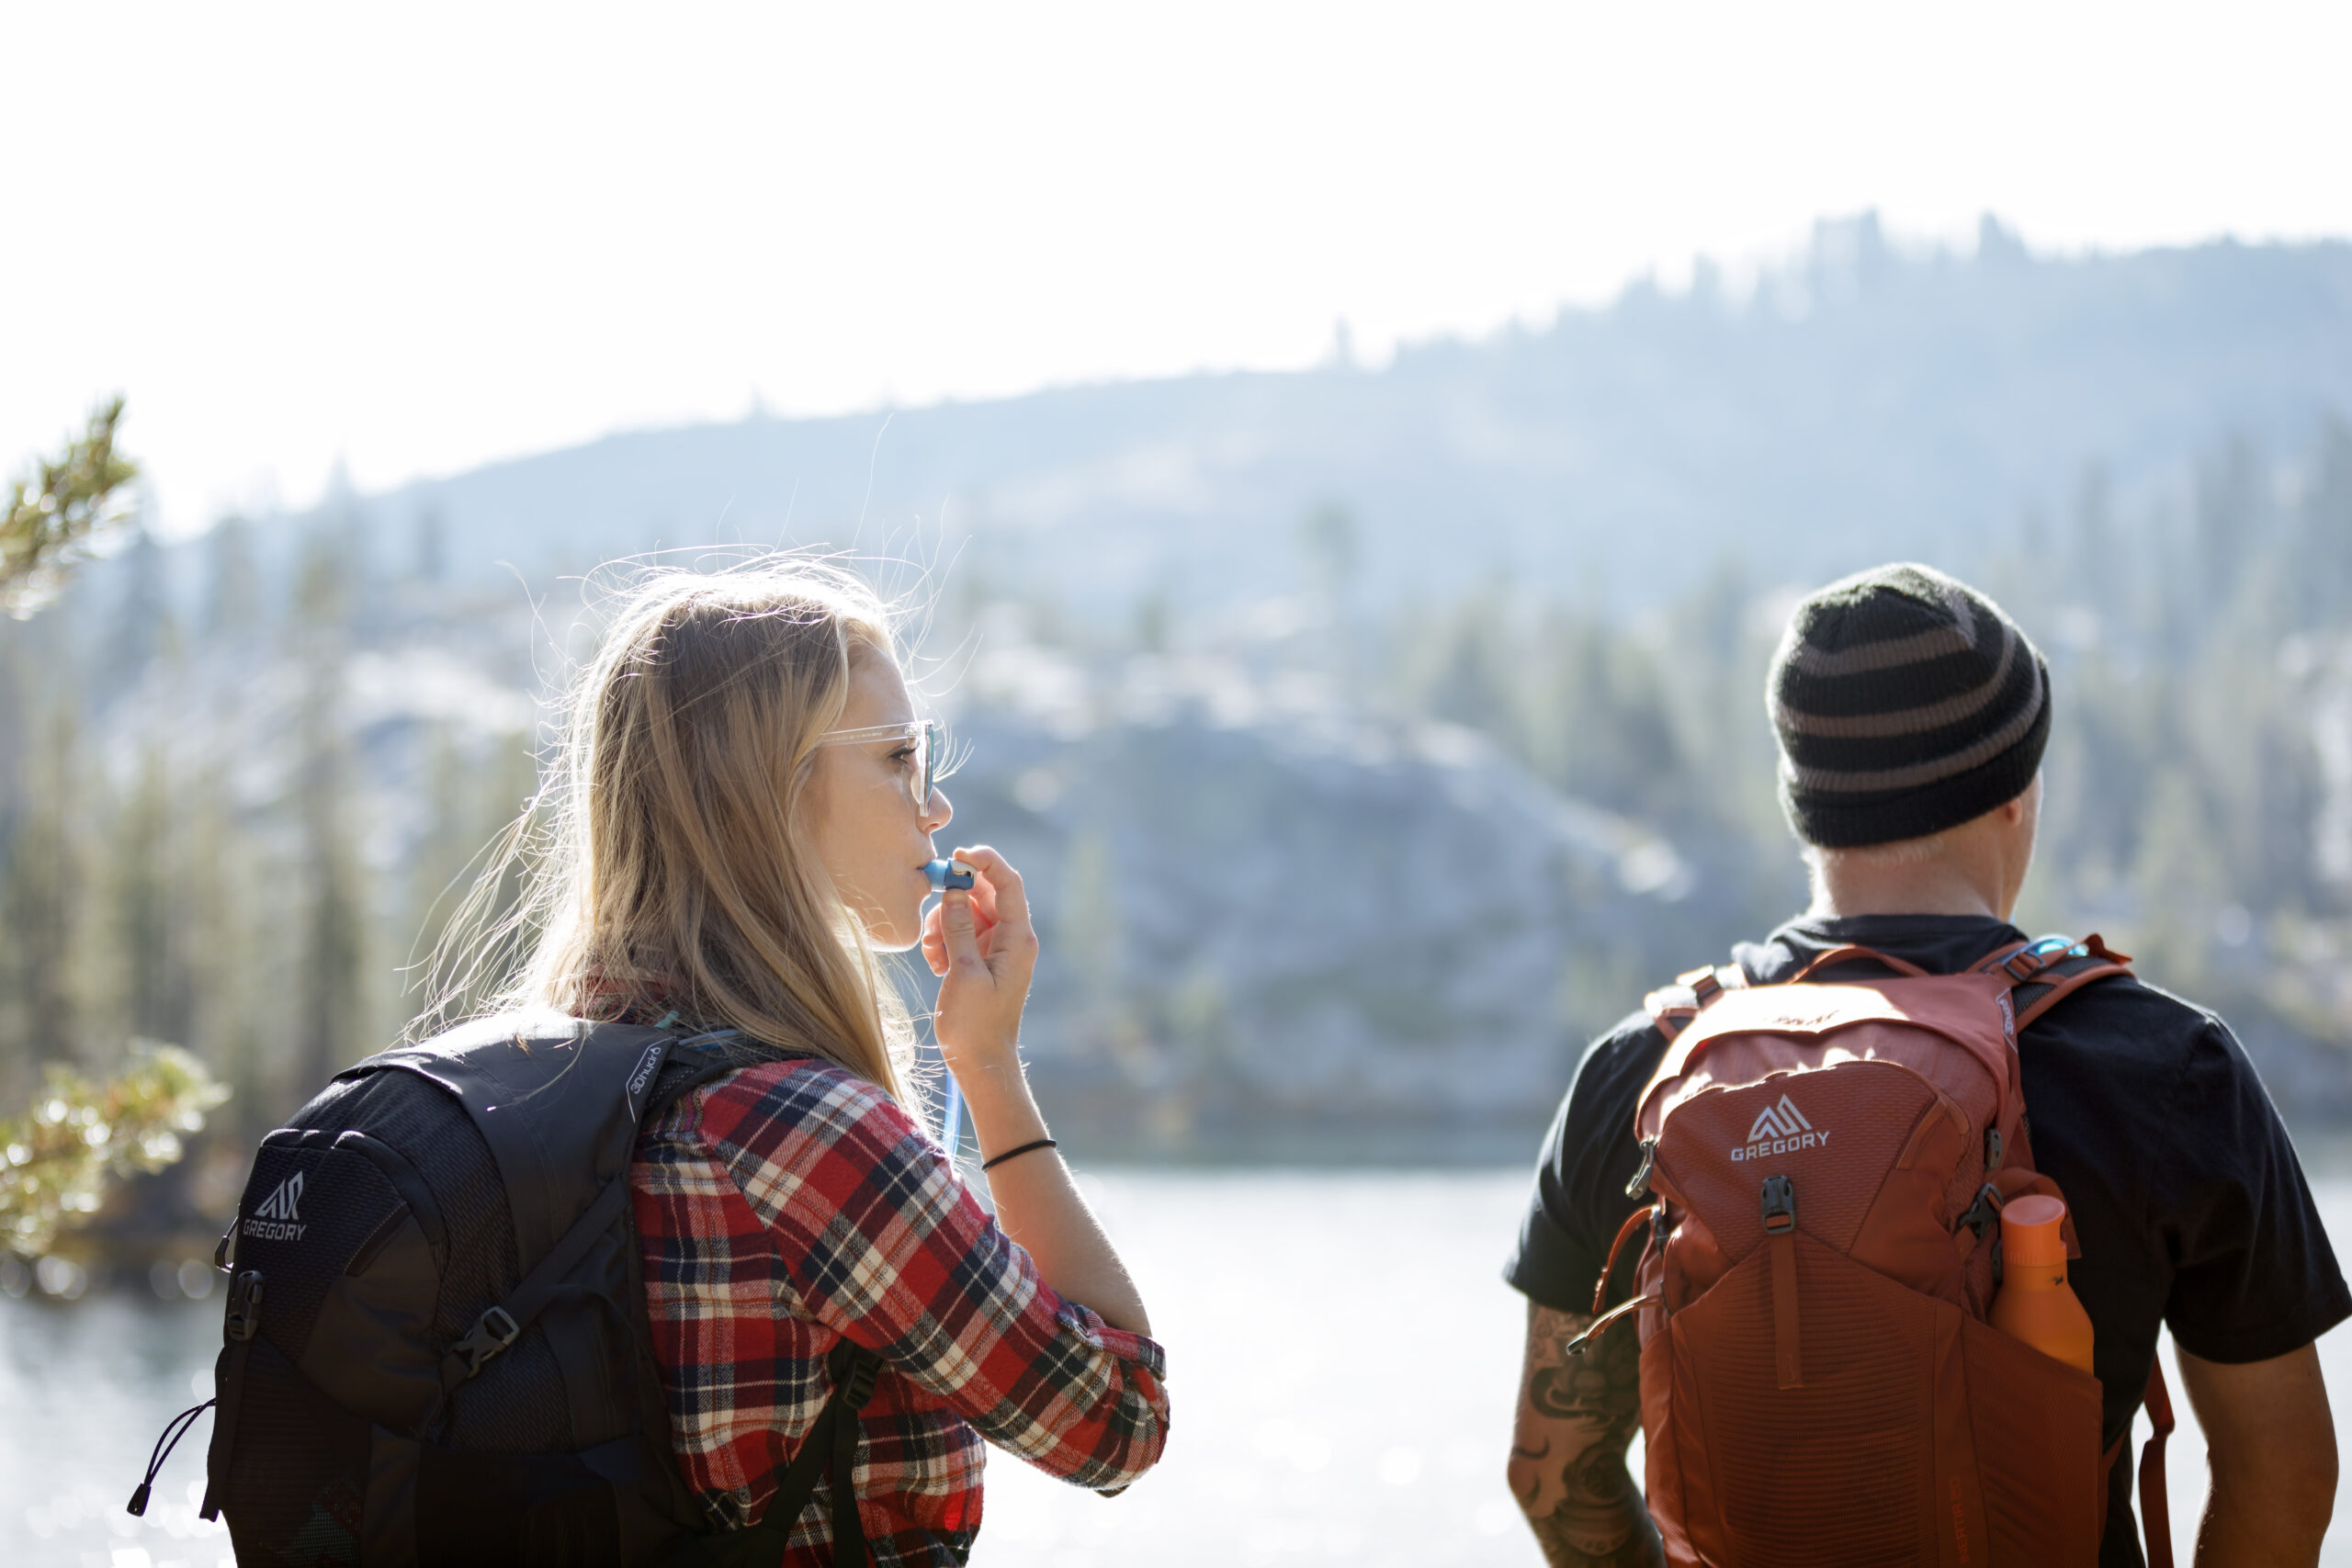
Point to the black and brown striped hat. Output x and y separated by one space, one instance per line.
1905 703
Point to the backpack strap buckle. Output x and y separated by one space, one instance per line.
492 1332
1672 1007
2045 971
1985 1212
1779 1199
1639 1185
855 1370
1706 985
244 1306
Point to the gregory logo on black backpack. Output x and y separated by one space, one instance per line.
1778 1130
276 1219
647 1066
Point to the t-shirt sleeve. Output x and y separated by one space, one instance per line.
1589 1152
2254 1275
1551 1257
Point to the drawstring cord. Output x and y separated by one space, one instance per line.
174 1432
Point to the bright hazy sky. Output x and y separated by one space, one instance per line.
417 238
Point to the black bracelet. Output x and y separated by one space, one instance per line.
1015 1153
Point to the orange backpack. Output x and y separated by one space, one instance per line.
1819 1384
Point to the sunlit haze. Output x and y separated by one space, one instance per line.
416 240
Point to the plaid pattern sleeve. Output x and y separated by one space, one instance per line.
784 1206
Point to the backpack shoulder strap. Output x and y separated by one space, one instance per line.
619 1069
1672 1007
829 1450
699 1058
2156 1508
2046 972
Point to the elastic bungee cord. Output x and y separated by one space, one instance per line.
174 1432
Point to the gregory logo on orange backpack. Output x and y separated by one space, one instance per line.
1779 1129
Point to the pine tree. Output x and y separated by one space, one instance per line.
42 899
62 510
331 1015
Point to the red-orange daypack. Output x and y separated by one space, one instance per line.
1827 1164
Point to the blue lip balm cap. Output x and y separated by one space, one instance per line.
948 873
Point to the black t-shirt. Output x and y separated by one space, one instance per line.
2191 1206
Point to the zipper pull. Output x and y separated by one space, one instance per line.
1640 1186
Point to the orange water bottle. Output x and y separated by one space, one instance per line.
2035 1304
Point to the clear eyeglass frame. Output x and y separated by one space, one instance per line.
925 776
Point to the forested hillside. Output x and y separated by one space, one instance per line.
1860 399
1370 738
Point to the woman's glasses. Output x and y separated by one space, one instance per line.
924 773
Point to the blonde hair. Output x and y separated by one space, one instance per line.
667 859
1896 854
1892 854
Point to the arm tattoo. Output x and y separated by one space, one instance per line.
1577 1416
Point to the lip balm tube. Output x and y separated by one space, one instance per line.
948 873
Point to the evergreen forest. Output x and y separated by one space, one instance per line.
1341 853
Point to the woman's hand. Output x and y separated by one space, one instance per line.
980 943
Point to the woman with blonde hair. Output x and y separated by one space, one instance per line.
746 809
651 1263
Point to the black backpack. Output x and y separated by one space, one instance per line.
436 1348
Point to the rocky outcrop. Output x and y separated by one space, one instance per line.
1261 908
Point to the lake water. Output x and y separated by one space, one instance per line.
1343 1362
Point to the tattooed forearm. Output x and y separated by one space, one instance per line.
1599 1522
1577 1414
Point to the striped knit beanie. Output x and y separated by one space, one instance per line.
1905 703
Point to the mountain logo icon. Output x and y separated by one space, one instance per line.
281 1203
279 1216
1779 1129
1782 1121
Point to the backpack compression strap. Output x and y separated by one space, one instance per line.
503 1324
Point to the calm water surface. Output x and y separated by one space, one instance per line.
1343 1361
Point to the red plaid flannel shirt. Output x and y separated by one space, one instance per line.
783 1206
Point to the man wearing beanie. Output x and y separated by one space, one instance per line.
1912 714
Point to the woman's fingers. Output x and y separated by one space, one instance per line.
987 952
1009 945
960 930
983 922
983 891
998 883
934 941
